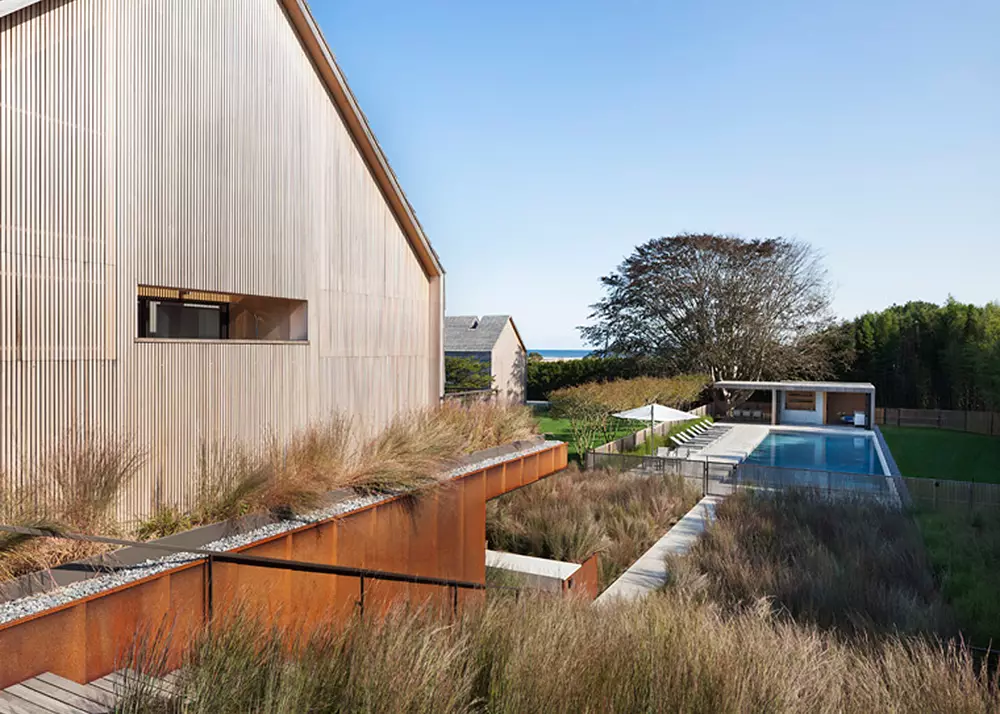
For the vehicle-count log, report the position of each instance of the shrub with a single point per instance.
(589, 407)
(466, 374)
(546, 377)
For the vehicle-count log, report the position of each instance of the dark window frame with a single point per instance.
(143, 315)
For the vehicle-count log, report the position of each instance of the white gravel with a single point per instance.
(33, 604)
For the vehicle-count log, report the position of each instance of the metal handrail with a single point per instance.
(257, 560)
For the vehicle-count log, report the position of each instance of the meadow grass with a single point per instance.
(667, 653)
(571, 515)
(854, 566)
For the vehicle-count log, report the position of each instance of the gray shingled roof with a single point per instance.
(468, 333)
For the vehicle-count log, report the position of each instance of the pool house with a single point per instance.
(798, 403)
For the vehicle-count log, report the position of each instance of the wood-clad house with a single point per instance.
(200, 238)
(494, 341)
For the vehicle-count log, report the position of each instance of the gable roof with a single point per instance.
(354, 119)
(468, 333)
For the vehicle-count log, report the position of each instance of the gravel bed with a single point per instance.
(31, 605)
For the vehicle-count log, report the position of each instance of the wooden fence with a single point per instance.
(630, 442)
(973, 422)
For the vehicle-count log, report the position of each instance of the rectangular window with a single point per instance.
(174, 314)
(800, 401)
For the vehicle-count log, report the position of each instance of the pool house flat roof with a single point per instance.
(866, 387)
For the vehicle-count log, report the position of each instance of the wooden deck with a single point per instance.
(51, 694)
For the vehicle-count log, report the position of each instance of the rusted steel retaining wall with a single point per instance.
(441, 533)
(585, 582)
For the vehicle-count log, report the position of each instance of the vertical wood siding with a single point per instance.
(509, 366)
(189, 144)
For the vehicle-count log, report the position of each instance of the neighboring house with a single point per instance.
(493, 340)
(200, 238)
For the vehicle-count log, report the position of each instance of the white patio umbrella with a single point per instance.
(655, 414)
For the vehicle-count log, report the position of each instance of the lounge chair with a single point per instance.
(758, 414)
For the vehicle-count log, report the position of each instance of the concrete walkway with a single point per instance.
(650, 571)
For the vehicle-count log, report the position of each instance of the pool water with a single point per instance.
(844, 453)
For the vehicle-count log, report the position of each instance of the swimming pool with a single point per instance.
(843, 453)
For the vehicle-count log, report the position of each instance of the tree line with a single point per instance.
(760, 310)
(923, 356)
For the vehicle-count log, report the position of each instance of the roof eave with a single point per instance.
(313, 40)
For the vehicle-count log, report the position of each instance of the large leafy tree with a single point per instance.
(733, 308)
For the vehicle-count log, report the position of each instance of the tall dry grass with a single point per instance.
(79, 487)
(76, 489)
(668, 653)
(415, 450)
(571, 515)
(853, 565)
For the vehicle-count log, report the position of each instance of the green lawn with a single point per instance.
(943, 454)
(643, 449)
(964, 550)
(559, 429)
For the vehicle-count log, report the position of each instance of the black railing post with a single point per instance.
(361, 594)
(454, 601)
(209, 589)
(704, 485)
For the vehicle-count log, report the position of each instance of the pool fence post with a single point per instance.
(704, 485)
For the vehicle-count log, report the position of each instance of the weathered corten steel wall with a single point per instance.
(441, 533)
(585, 581)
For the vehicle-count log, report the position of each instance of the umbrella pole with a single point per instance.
(652, 436)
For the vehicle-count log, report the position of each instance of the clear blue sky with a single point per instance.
(539, 142)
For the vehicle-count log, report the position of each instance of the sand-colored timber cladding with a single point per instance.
(440, 533)
(194, 145)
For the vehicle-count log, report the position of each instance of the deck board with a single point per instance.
(42, 701)
(66, 697)
(86, 691)
(9, 704)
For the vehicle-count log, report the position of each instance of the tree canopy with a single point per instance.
(924, 356)
(732, 308)
(465, 374)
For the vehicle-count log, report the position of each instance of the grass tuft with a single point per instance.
(75, 490)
